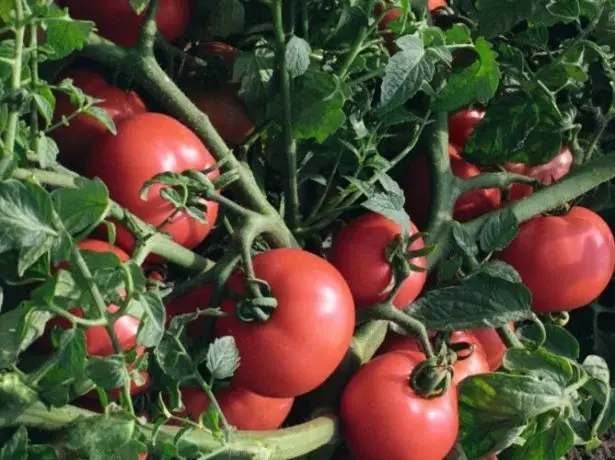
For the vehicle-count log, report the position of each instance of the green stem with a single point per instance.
(147, 35)
(76, 319)
(230, 205)
(34, 82)
(291, 192)
(353, 53)
(509, 338)
(501, 180)
(305, 20)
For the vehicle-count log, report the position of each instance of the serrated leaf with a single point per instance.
(83, 207)
(47, 151)
(151, 329)
(107, 372)
(297, 56)
(499, 230)
(223, 358)
(16, 448)
(390, 206)
(227, 17)
(65, 35)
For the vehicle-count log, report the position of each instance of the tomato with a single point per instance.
(148, 144)
(116, 21)
(307, 335)
(242, 408)
(546, 173)
(468, 363)
(384, 418)
(226, 112)
(198, 298)
(392, 13)
(565, 261)
(84, 130)
(461, 125)
(227, 53)
(417, 189)
(359, 253)
(433, 5)
(492, 345)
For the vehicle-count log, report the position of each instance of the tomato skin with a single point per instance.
(565, 261)
(226, 112)
(168, 146)
(311, 328)
(224, 51)
(417, 189)
(546, 173)
(358, 252)
(473, 364)
(461, 124)
(84, 131)
(243, 409)
(116, 21)
(384, 418)
(433, 5)
(492, 345)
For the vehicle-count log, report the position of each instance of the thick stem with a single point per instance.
(501, 180)
(147, 36)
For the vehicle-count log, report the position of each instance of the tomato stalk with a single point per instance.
(501, 180)
(509, 337)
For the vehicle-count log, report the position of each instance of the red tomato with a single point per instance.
(307, 335)
(461, 125)
(391, 15)
(546, 173)
(359, 253)
(84, 131)
(468, 364)
(116, 21)
(565, 261)
(242, 408)
(492, 345)
(226, 112)
(198, 298)
(148, 144)
(384, 418)
(435, 4)
(226, 52)
(417, 188)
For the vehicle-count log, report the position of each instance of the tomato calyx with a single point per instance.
(399, 255)
(432, 377)
(260, 303)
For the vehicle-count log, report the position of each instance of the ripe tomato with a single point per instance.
(461, 125)
(546, 173)
(226, 112)
(468, 363)
(148, 144)
(492, 345)
(417, 188)
(565, 261)
(84, 131)
(242, 408)
(392, 13)
(433, 5)
(198, 298)
(224, 51)
(307, 335)
(384, 418)
(359, 253)
(116, 21)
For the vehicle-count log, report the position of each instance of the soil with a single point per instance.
(605, 452)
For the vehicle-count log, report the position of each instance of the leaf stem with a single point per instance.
(501, 180)
(509, 338)
(353, 53)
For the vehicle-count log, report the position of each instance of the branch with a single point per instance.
(147, 35)
(501, 180)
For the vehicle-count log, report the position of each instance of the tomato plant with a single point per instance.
(397, 407)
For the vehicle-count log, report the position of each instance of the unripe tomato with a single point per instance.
(306, 336)
(75, 140)
(384, 418)
(242, 408)
(359, 253)
(116, 21)
(566, 261)
(226, 112)
(546, 173)
(468, 363)
(461, 124)
(146, 145)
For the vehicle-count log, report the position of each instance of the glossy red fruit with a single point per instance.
(492, 345)
(546, 173)
(566, 261)
(242, 408)
(116, 21)
(307, 335)
(469, 363)
(468, 206)
(77, 138)
(384, 418)
(226, 112)
(436, 4)
(146, 145)
(461, 124)
(359, 253)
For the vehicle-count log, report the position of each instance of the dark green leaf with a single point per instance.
(223, 358)
(226, 18)
(18, 329)
(41, 452)
(559, 340)
(15, 397)
(16, 448)
(254, 70)
(464, 241)
(551, 444)
(499, 230)
(390, 206)
(65, 35)
(172, 359)
(449, 268)
(152, 323)
(539, 363)
(499, 269)
(72, 352)
(28, 256)
(297, 56)
(107, 372)
(481, 301)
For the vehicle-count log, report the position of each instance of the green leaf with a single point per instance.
(72, 351)
(138, 6)
(173, 361)
(47, 151)
(597, 367)
(42, 452)
(107, 372)
(18, 329)
(254, 71)
(559, 340)
(28, 256)
(227, 17)
(103, 117)
(297, 56)
(45, 103)
(480, 301)
(26, 215)
(464, 241)
(390, 206)
(499, 269)
(458, 34)
(222, 358)
(151, 328)
(407, 72)
(83, 207)
(499, 230)
(65, 35)
(539, 363)
(15, 397)
(476, 83)
(211, 419)
(16, 448)
(61, 290)
(551, 444)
